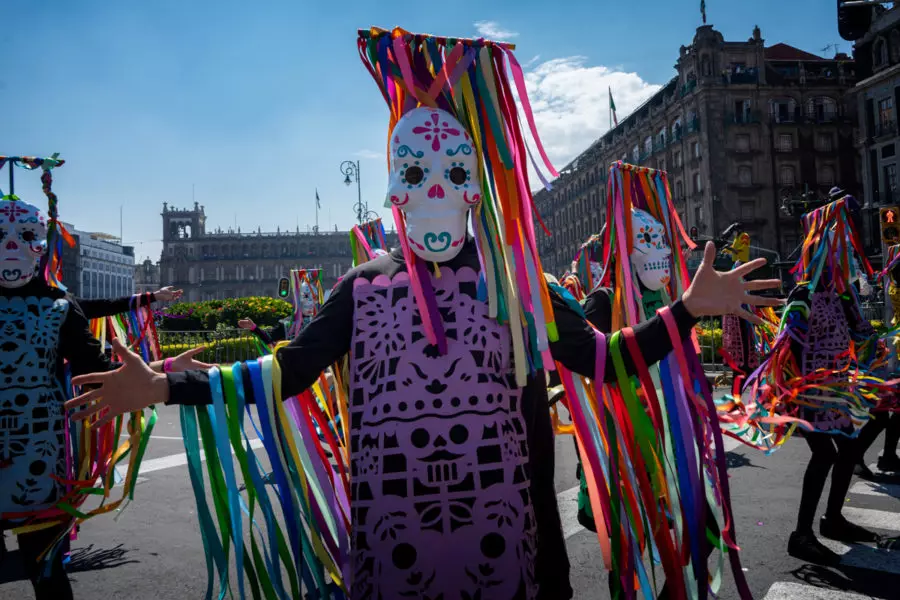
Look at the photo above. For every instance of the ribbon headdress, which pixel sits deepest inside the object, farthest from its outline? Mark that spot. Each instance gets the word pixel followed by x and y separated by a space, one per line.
pixel 365 239
pixel 51 266
pixel 470 80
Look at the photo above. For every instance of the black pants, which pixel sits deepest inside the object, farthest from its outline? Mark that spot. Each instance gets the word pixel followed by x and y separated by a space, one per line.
pixel 52 584
pixel 828 451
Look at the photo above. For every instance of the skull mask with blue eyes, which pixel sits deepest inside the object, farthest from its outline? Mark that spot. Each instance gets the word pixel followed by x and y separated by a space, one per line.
pixel 651 256
pixel 23 242
pixel 434 180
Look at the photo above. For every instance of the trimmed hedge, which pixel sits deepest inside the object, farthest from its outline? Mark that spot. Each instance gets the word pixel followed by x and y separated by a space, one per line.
pixel 219 351
pixel 208 315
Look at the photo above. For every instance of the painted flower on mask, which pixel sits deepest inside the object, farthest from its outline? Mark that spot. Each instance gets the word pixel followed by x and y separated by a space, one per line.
pixel 436 130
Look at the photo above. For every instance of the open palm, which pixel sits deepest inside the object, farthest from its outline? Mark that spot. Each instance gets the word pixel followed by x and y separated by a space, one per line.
pixel 714 293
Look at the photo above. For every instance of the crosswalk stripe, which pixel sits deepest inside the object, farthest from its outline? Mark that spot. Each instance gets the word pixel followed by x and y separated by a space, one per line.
pixel 177 460
pixel 782 590
pixel 873 519
pixel 871 488
pixel 865 557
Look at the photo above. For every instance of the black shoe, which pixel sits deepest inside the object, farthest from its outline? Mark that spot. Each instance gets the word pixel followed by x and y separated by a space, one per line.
pixel 806 547
pixel 842 530
pixel 890 463
pixel 864 472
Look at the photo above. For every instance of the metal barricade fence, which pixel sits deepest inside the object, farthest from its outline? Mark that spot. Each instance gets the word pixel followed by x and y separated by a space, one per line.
pixel 222 347
pixel 709 336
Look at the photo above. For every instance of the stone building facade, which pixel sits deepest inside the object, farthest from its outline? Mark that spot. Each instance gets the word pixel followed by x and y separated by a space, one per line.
pixel 739 129
pixel 146 277
pixel 877 96
pixel 219 264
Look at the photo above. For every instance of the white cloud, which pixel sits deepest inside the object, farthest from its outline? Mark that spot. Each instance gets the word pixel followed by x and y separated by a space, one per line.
pixel 493 31
pixel 570 101
pixel 368 154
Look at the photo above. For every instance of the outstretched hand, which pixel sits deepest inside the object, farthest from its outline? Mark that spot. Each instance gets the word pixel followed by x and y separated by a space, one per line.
pixel 714 293
pixel 132 387
pixel 167 293
pixel 186 362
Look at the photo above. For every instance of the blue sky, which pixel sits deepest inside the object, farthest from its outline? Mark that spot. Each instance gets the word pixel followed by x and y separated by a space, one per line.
pixel 256 104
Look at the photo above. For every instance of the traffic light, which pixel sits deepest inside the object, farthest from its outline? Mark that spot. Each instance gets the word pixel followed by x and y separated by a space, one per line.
pixel 854 21
pixel 890 225
pixel 284 287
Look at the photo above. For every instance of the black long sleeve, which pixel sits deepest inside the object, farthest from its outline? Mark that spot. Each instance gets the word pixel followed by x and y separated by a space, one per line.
pixel 577 351
pixel 272 335
pixel 79 346
pixel 106 307
pixel 317 346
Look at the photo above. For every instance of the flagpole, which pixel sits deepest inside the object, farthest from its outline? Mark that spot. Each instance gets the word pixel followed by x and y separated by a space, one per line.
pixel 317 211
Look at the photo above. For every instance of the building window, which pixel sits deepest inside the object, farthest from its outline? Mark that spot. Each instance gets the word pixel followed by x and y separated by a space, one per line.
pixel 785 142
pixel 895 46
pixel 677 159
pixel 636 154
pixel 698 186
pixel 748 210
pixel 783 111
pixel 676 129
pixel 822 109
pixel 661 165
pixel 824 142
pixel 648 145
pixel 745 175
pixel 661 137
pixel 695 149
pixel 886 113
pixel 890 179
pixel 742 143
pixel 741 111
pixel 826 175
pixel 679 190
pixel 786 175
pixel 879 53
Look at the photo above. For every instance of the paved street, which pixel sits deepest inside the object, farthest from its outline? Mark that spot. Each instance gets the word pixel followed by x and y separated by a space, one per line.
pixel 154 550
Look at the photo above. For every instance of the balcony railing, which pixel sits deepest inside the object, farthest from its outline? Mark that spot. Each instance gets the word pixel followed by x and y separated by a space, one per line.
pixel 693 125
pixel 659 147
pixel 689 87
pixel 676 136
pixel 885 128
pixel 744 118
pixel 748 76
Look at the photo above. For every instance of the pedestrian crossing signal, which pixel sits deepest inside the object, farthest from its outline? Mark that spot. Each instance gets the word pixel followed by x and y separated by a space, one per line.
pixel 284 287
pixel 890 225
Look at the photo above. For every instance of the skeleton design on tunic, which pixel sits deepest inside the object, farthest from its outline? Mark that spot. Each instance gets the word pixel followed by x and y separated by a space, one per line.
pixel 32 418
pixel 440 487
pixel 827 340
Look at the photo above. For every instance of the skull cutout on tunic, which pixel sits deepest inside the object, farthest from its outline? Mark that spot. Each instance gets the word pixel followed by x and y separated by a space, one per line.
pixel 23 241
pixel 434 180
pixel 651 256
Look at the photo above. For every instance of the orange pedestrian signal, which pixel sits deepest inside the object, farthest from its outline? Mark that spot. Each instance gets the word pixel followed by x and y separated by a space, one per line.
pixel 890 226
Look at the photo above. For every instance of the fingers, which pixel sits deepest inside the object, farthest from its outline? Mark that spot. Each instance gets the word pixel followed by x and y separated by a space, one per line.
pixel 764 301
pixel 748 316
pixel 123 352
pixel 89 411
pixel 82 399
pixel 193 352
pixel 762 284
pixel 749 267
pixel 91 379
pixel 709 255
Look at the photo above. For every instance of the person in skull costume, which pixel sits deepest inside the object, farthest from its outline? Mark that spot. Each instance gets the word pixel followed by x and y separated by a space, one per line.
pixel 282 331
pixel 40 327
pixel 452 462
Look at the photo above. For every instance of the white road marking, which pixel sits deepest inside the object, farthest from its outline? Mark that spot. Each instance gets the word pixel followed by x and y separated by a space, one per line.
pixel 158 437
pixel 871 488
pixel 178 460
pixel 568 511
pixel 799 591
pixel 865 557
pixel 873 519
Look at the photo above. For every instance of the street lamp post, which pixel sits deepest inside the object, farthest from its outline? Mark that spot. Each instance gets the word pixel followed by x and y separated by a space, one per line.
pixel 350 170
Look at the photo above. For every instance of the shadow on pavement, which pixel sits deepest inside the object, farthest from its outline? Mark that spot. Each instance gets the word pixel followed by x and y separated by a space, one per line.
pixel 733 460
pixel 874 584
pixel 83 560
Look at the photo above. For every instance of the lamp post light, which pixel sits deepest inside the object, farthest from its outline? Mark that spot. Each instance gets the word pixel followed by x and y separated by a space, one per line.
pixel 350 170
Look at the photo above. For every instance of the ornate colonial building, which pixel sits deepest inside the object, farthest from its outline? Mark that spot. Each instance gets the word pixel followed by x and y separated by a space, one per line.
pixel 229 264
pixel 740 128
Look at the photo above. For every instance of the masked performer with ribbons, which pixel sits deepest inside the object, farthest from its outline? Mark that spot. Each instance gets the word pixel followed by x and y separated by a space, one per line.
pixel 307 299
pixel 443 482
pixel 823 376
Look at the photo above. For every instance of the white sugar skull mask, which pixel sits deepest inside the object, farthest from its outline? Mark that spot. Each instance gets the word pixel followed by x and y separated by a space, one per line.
pixel 434 180
pixel 307 301
pixel 651 256
pixel 23 242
